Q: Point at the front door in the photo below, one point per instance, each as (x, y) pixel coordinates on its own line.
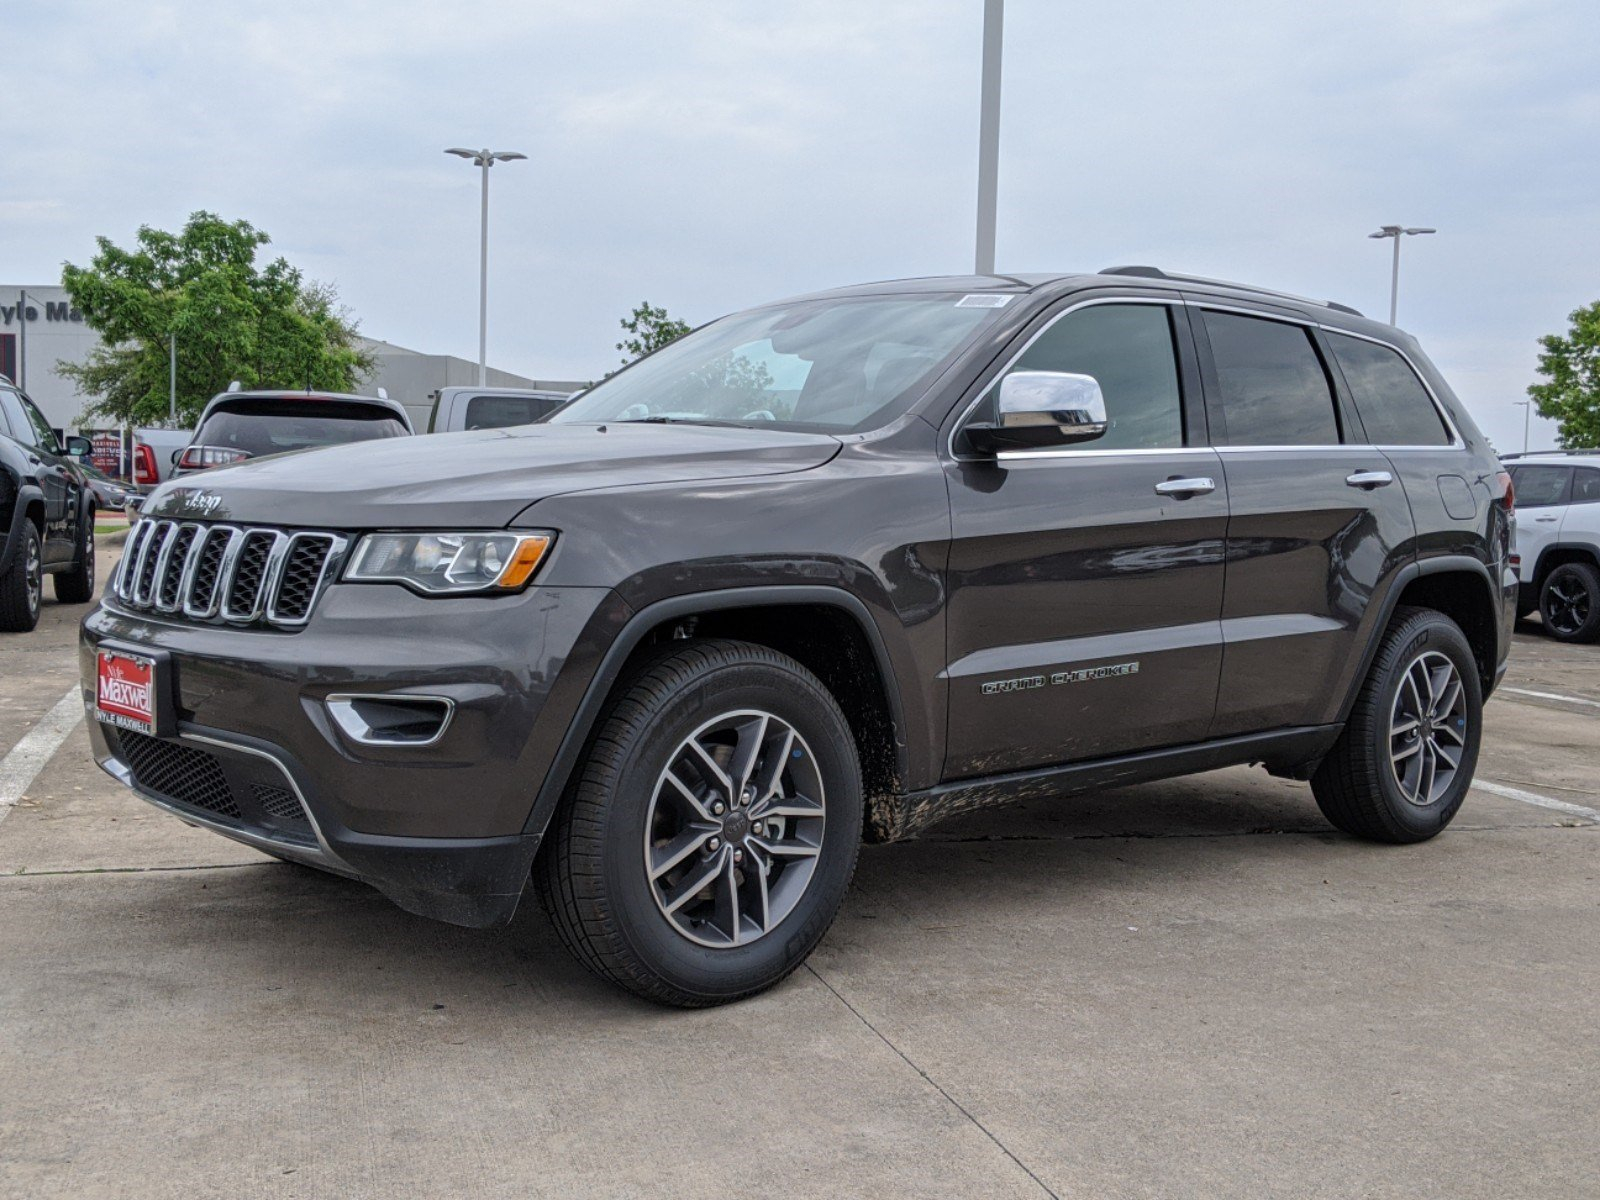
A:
(1084, 588)
(1318, 522)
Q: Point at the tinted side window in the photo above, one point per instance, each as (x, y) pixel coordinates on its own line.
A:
(1538, 487)
(1273, 388)
(5, 423)
(1585, 486)
(1395, 408)
(43, 436)
(1128, 348)
(497, 412)
(15, 418)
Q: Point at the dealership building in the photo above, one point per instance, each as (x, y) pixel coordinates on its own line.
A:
(39, 327)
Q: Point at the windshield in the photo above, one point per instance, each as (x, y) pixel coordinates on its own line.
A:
(276, 426)
(829, 366)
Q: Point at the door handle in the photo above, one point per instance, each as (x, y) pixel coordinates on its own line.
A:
(1546, 518)
(1367, 480)
(1182, 489)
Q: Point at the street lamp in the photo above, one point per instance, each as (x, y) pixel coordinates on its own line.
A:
(1395, 232)
(1527, 416)
(484, 159)
(989, 135)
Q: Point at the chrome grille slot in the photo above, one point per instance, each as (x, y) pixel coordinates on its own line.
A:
(222, 572)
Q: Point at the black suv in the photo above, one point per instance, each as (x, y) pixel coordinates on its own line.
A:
(826, 570)
(46, 514)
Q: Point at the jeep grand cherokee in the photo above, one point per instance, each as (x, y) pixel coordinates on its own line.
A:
(830, 569)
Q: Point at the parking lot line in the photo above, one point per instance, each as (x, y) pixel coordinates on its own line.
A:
(20, 767)
(1562, 806)
(1516, 691)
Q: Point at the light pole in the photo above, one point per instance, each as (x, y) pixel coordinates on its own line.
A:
(1396, 232)
(485, 159)
(1527, 416)
(989, 135)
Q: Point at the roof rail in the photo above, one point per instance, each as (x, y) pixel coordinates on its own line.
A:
(1143, 272)
(1548, 453)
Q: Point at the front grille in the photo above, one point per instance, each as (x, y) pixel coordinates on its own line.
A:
(242, 576)
(242, 790)
(183, 773)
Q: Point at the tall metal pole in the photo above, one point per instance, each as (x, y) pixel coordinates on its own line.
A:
(1394, 282)
(22, 339)
(483, 282)
(989, 136)
(172, 377)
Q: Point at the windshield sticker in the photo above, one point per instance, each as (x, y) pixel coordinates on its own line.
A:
(983, 300)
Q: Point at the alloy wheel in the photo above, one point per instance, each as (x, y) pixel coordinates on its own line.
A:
(734, 829)
(33, 569)
(1428, 728)
(1566, 602)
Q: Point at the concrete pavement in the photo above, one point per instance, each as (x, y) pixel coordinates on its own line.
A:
(1184, 989)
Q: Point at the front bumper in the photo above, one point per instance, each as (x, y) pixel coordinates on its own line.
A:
(438, 828)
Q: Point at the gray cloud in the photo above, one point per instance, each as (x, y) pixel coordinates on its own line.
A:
(710, 155)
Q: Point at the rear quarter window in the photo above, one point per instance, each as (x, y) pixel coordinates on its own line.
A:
(1393, 404)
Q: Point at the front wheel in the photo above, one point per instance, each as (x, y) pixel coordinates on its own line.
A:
(1403, 764)
(1569, 602)
(708, 842)
(22, 586)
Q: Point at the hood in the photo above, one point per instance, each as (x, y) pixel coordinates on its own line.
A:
(476, 480)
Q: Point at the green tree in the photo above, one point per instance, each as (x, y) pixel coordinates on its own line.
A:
(1571, 368)
(650, 329)
(264, 325)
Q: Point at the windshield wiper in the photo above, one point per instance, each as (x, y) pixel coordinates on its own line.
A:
(676, 420)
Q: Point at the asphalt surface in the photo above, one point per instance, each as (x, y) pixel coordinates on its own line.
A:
(1193, 988)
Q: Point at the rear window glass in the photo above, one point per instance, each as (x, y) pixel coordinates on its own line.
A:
(498, 412)
(274, 427)
(1274, 390)
(1541, 486)
(1395, 408)
(1585, 486)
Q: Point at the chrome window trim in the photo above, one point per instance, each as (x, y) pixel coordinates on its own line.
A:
(1304, 321)
(966, 415)
(1457, 442)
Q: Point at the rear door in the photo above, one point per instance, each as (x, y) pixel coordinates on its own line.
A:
(1317, 522)
(1543, 495)
(1083, 603)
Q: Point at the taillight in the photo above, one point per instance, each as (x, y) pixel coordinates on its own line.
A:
(144, 465)
(198, 458)
(1509, 500)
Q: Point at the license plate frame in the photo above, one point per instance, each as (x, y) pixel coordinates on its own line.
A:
(133, 690)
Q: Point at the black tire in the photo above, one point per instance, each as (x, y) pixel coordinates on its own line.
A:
(1569, 602)
(592, 873)
(1359, 786)
(22, 586)
(77, 585)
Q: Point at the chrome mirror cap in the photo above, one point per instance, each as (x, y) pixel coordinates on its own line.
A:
(1040, 409)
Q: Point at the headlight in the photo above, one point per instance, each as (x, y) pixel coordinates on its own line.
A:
(449, 563)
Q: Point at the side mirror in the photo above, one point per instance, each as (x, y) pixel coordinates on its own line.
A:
(1038, 410)
(79, 447)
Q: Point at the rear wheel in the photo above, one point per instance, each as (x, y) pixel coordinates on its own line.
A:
(1404, 762)
(708, 842)
(22, 586)
(77, 585)
(1569, 602)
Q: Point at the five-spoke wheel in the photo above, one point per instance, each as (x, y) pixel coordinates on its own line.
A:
(735, 828)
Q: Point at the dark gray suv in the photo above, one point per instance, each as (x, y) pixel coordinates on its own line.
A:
(826, 570)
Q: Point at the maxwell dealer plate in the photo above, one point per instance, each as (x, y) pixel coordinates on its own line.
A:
(125, 690)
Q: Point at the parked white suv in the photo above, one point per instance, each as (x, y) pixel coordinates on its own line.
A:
(1558, 540)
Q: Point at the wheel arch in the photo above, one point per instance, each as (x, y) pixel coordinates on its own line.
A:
(1462, 589)
(809, 623)
(1558, 553)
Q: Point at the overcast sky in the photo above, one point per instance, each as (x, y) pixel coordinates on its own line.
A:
(705, 156)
